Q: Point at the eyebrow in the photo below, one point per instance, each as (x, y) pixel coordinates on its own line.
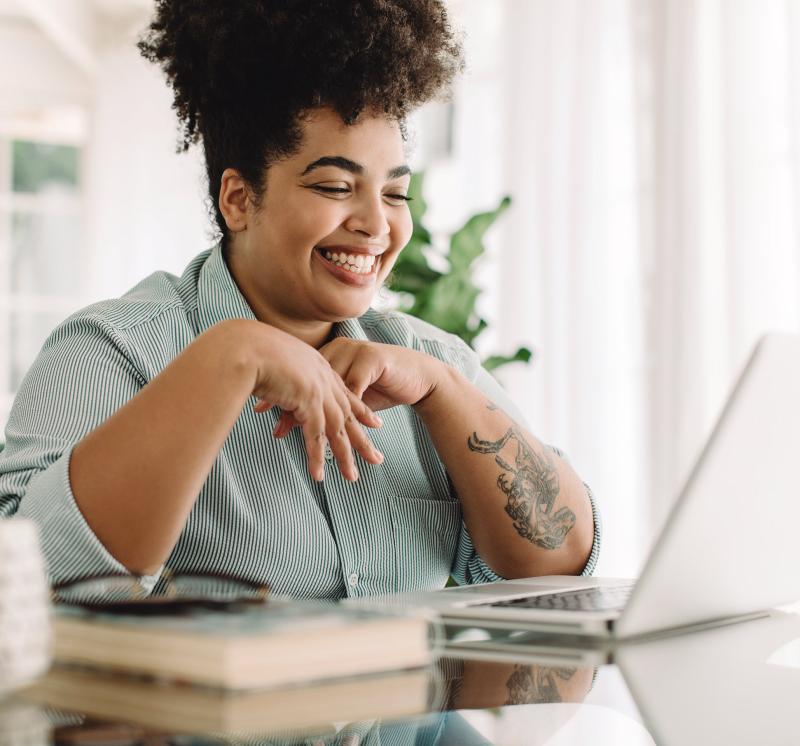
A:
(339, 161)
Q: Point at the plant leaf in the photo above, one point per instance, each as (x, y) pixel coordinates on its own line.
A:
(449, 303)
(522, 355)
(466, 244)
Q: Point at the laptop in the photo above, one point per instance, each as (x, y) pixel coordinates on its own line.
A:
(727, 551)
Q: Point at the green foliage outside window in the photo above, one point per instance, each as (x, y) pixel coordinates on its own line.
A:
(36, 165)
(447, 299)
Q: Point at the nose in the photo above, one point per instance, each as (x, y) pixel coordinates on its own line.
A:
(368, 217)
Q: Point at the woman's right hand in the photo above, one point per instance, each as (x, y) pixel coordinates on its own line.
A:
(294, 376)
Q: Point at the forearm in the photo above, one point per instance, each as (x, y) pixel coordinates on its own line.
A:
(526, 510)
(135, 478)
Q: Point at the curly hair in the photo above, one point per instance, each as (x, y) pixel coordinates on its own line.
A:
(243, 73)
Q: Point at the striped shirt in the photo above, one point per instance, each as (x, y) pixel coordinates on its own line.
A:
(259, 515)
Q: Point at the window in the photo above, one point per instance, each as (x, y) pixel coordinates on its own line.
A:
(41, 250)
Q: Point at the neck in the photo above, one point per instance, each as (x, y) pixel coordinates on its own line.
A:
(314, 333)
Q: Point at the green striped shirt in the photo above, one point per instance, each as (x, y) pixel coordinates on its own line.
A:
(259, 515)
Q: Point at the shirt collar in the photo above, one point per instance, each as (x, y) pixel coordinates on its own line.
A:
(350, 328)
(219, 298)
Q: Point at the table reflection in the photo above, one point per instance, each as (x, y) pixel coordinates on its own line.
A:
(732, 685)
(411, 707)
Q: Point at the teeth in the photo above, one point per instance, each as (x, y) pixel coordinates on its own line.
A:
(357, 263)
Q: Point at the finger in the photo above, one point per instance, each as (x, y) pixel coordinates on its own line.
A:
(355, 432)
(314, 437)
(338, 356)
(340, 442)
(284, 424)
(262, 405)
(361, 442)
(361, 374)
(361, 410)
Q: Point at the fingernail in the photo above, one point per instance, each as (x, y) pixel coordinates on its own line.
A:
(355, 474)
(377, 418)
(379, 456)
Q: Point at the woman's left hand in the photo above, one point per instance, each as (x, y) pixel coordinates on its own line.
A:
(381, 375)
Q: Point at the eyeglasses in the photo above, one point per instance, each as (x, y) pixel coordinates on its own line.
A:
(118, 592)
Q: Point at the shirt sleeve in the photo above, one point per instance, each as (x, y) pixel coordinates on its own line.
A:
(80, 378)
(469, 567)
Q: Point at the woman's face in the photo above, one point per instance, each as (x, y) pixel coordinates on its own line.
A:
(331, 224)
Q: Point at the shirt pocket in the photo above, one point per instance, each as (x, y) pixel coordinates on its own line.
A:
(426, 537)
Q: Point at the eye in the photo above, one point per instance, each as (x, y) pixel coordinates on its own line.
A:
(330, 189)
(398, 198)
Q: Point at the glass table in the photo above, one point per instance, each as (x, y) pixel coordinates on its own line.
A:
(734, 684)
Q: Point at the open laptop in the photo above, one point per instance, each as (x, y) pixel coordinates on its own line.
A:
(728, 549)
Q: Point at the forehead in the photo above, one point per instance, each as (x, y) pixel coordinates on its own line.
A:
(374, 141)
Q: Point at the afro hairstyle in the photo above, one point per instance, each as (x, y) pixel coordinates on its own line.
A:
(244, 72)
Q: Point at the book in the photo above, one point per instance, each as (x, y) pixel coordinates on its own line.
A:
(190, 709)
(244, 646)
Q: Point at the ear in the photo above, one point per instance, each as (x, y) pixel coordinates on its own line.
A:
(233, 200)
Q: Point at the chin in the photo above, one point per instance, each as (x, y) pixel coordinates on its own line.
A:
(335, 312)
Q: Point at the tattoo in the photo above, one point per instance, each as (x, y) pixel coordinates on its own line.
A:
(529, 685)
(531, 491)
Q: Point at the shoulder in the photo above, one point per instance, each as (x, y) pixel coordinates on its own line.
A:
(155, 313)
(159, 294)
(395, 327)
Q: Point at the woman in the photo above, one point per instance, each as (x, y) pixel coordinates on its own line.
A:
(216, 422)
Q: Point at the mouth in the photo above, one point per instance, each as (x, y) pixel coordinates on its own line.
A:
(358, 269)
(356, 263)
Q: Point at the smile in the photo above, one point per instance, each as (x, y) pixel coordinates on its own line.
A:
(352, 269)
(357, 263)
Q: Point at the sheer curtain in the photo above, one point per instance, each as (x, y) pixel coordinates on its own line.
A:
(652, 151)
(651, 148)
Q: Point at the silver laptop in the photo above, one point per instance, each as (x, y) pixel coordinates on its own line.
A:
(729, 548)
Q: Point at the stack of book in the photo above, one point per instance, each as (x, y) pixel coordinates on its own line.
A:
(246, 669)
(247, 647)
(188, 709)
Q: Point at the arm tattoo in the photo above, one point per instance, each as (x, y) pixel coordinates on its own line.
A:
(531, 488)
(534, 685)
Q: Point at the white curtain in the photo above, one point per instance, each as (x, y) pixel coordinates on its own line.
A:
(651, 147)
(652, 151)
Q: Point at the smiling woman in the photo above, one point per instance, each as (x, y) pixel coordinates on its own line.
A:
(217, 422)
(343, 191)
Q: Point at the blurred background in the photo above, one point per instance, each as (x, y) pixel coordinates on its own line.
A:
(650, 148)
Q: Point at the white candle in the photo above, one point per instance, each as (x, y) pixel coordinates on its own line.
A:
(25, 637)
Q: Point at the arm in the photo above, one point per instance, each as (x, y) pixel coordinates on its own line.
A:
(119, 498)
(157, 449)
(527, 511)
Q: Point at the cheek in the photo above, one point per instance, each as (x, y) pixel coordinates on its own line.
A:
(302, 226)
(402, 228)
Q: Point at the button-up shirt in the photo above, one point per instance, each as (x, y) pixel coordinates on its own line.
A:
(259, 515)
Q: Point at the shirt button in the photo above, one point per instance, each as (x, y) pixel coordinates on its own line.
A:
(352, 579)
(328, 453)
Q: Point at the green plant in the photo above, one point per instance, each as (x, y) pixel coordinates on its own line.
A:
(447, 299)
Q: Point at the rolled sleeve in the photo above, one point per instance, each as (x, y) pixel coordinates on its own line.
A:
(80, 378)
(70, 547)
(591, 563)
(468, 567)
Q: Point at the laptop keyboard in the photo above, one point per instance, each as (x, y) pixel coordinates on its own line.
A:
(590, 599)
